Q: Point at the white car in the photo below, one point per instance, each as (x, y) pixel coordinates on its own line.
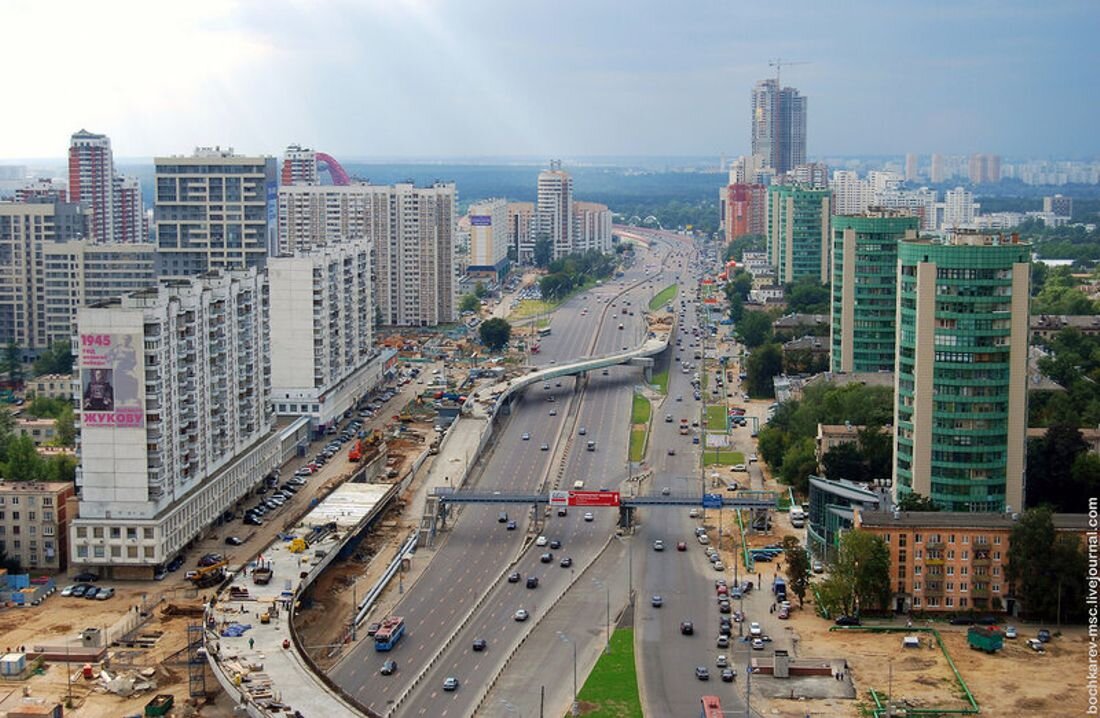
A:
(541, 541)
(739, 467)
(658, 545)
(520, 615)
(754, 629)
(588, 516)
(526, 436)
(757, 644)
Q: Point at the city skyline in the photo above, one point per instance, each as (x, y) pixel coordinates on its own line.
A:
(442, 81)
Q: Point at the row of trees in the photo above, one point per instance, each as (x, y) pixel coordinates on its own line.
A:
(20, 461)
(1061, 471)
(565, 274)
(1075, 365)
(472, 302)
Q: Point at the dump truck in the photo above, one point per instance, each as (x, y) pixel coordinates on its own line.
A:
(261, 575)
(160, 705)
(985, 638)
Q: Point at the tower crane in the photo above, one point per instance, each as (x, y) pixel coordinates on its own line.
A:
(778, 64)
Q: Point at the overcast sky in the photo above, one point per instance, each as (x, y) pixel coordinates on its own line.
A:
(435, 78)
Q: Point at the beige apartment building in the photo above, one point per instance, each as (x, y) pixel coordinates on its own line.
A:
(34, 523)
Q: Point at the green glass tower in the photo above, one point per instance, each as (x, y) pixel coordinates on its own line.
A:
(961, 378)
(864, 288)
(798, 232)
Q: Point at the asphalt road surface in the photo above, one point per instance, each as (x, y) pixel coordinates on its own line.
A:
(477, 547)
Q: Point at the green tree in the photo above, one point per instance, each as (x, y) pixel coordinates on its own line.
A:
(772, 444)
(469, 303)
(798, 567)
(745, 243)
(914, 501)
(737, 308)
(877, 447)
(754, 329)
(739, 285)
(557, 285)
(844, 461)
(807, 296)
(864, 560)
(60, 468)
(763, 363)
(1046, 568)
(1050, 463)
(799, 463)
(66, 430)
(43, 407)
(543, 252)
(13, 363)
(480, 291)
(495, 333)
(22, 461)
(57, 359)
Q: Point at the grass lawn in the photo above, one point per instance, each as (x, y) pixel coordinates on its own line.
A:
(611, 690)
(641, 410)
(663, 297)
(637, 444)
(531, 307)
(716, 418)
(660, 380)
(725, 457)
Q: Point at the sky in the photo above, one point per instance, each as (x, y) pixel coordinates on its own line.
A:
(549, 78)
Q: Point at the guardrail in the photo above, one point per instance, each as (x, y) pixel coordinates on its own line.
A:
(372, 595)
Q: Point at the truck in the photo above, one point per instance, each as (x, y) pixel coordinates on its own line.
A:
(261, 575)
(160, 705)
(779, 588)
(208, 576)
(985, 638)
(389, 633)
(356, 451)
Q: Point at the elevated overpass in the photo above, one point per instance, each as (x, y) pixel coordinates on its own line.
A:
(652, 346)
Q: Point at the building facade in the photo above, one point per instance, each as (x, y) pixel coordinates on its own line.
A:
(34, 522)
(311, 215)
(214, 211)
(321, 330)
(26, 231)
(92, 182)
(745, 209)
(129, 213)
(174, 416)
(488, 238)
(42, 190)
(851, 195)
(943, 561)
(79, 273)
(961, 372)
(591, 227)
(778, 125)
(798, 232)
(959, 209)
(521, 223)
(864, 288)
(554, 211)
(51, 386)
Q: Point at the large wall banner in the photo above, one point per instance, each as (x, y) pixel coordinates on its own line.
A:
(111, 380)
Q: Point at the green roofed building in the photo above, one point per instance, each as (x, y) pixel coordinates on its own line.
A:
(798, 232)
(961, 373)
(864, 288)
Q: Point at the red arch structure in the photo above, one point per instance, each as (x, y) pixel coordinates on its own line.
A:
(338, 174)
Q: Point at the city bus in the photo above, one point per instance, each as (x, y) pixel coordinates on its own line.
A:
(712, 707)
(544, 332)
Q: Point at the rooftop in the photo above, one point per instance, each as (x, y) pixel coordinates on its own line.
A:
(961, 520)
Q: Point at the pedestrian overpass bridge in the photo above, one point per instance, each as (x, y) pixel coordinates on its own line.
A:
(654, 345)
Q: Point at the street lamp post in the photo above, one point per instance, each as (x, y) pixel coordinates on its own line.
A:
(565, 638)
(607, 587)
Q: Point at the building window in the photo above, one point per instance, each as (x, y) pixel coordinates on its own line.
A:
(148, 550)
(131, 552)
(916, 538)
(47, 501)
(962, 602)
(15, 516)
(81, 532)
(116, 552)
(97, 552)
(131, 533)
(32, 516)
(996, 588)
(14, 500)
(916, 601)
(949, 602)
(47, 515)
(97, 532)
(963, 586)
(148, 532)
(47, 530)
(82, 552)
(950, 570)
(116, 532)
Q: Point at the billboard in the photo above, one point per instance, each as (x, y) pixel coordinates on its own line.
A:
(559, 498)
(111, 381)
(594, 498)
(481, 220)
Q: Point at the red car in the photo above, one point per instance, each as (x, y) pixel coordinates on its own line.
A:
(682, 546)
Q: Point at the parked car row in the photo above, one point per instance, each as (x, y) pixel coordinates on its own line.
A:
(89, 591)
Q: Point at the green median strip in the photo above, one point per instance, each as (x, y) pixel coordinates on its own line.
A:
(660, 380)
(663, 297)
(640, 411)
(637, 444)
(611, 690)
(722, 457)
(716, 418)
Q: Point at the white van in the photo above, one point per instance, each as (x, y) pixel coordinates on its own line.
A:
(578, 485)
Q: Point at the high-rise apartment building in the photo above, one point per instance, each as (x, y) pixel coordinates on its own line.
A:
(79, 273)
(175, 417)
(488, 238)
(25, 230)
(864, 288)
(912, 171)
(810, 174)
(920, 203)
(412, 230)
(214, 211)
(415, 270)
(321, 330)
(961, 373)
(129, 212)
(798, 232)
(299, 166)
(851, 195)
(778, 125)
(959, 208)
(937, 172)
(745, 209)
(554, 211)
(591, 227)
(521, 223)
(1058, 205)
(984, 168)
(42, 190)
(92, 182)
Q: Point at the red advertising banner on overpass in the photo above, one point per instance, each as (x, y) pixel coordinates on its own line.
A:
(594, 498)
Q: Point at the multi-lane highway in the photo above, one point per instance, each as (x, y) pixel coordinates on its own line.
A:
(478, 547)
